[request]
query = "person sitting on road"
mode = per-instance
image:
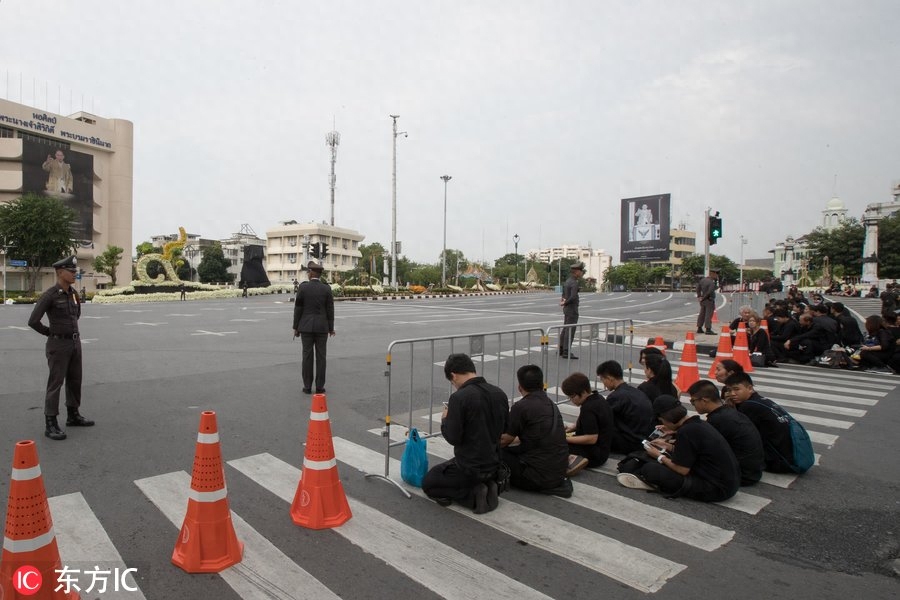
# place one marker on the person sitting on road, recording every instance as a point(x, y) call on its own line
point(890, 323)
point(737, 429)
point(590, 438)
point(700, 466)
point(848, 328)
point(538, 463)
point(474, 418)
point(632, 410)
point(659, 377)
point(878, 347)
point(724, 369)
point(743, 314)
point(799, 348)
point(758, 340)
point(775, 431)
point(785, 329)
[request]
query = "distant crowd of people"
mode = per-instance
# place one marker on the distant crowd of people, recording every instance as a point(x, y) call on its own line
point(668, 448)
point(801, 330)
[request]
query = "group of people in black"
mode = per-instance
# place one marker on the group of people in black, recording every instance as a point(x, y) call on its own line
point(801, 330)
point(668, 448)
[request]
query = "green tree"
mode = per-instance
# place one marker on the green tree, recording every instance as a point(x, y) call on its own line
point(889, 247)
point(109, 261)
point(214, 266)
point(40, 229)
point(632, 275)
point(371, 261)
point(843, 245)
point(146, 248)
point(426, 275)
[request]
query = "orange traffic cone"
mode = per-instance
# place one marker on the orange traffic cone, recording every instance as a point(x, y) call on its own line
point(723, 351)
point(764, 325)
point(659, 344)
point(207, 542)
point(30, 554)
point(715, 317)
point(688, 373)
point(742, 349)
point(319, 502)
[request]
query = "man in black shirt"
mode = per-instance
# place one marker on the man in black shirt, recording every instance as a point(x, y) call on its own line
point(474, 417)
point(591, 435)
point(538, 462)
point(851, 336)
point(700, 466)
point(736, 428)
point(62, 306)
point(774, 430)
point(631, 409)
point(569, 303)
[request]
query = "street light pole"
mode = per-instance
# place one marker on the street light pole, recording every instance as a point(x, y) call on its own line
point(743, 243)
point(4, 249)
point(516, 244)
point(445, 178)
point(394, 206)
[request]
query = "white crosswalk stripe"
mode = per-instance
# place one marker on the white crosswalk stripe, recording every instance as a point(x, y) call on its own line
point(827, 403)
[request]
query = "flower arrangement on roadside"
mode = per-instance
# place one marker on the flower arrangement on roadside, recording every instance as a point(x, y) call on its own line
point(417, 289)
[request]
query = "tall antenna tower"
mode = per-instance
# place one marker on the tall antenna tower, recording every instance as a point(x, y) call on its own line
point(332, 140)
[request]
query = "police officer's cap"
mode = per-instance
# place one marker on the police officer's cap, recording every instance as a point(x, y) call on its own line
point(577, 265)
point(314, 266)
point(69, 263)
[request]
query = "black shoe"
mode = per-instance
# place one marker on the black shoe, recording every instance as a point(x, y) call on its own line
point(307, 390)
point(493, 495)
point(569, 356)
point(320, 390)
point(480, 492)
point(76, 420)
point(443, 501)
point(563, 490)
point(709, 332)
point(53, 431)
point(700, 330)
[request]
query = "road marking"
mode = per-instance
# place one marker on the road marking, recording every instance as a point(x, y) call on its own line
point(84, 544)
point(183, 315)
point(147, 324)
point(247, 320)
point(663, 522)
point(629, 565)
point(18, 327)
point(447, 572)
point(264, 573)
point(218, 333)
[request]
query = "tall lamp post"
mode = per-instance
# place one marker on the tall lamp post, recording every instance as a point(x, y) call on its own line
point(516, 244)
point(394, 205)
point(445, 178)
point(743, 243)
point(191, 253)
point(4, 249)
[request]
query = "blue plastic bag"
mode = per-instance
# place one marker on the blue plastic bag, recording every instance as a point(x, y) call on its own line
point(414, 462)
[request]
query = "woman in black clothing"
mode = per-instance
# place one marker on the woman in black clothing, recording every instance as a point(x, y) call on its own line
point(659, 377)
point(725, 369)
point(758, 340)
point(878, 347)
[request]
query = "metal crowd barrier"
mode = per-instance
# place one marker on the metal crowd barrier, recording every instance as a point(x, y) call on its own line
point(755, 300)
point(415, 370)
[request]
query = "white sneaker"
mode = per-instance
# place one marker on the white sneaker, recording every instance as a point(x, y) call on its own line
point(630, 480)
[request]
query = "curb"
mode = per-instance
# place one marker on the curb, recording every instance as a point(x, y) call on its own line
point(642, 342)
point(426, 296)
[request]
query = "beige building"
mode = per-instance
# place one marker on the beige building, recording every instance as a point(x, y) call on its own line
point(100, 154)
point(285, 252)
point(596, 262)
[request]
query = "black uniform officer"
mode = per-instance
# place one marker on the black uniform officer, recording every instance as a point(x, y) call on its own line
point(62, 306)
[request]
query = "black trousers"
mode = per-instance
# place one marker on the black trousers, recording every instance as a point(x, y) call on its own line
point(522, 475)
point(64, 360)
point(567, 333)
point(704, 317)
point(671, 483)
point(448, 480)
point(313, 343)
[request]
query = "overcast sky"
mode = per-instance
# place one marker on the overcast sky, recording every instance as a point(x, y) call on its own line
point(545, 114)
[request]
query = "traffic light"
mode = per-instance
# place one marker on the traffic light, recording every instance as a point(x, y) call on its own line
point(324, 251)
point(314, 250)
point(715, 228)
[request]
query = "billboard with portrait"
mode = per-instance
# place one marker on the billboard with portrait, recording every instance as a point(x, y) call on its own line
point(65, 174)
point(645, 228)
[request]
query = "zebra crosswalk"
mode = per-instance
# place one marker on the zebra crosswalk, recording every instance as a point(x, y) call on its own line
point(611, 532)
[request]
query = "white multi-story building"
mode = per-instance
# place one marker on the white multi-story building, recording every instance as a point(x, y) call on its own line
point(596, 262)
point(285, 253)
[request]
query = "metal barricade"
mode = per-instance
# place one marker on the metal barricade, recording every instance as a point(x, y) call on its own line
point(415, 375)
point(755, 300)
point(592, 343)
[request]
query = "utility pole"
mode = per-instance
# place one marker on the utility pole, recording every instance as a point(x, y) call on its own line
point(445, 178)
point(394, 205)
point(706, 242)
point(332, 140)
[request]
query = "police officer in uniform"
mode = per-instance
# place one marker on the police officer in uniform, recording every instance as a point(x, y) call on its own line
point(569, 303)
point(314, 322)
point(62, 305)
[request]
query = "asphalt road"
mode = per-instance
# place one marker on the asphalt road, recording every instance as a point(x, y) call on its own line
point(151, 368)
